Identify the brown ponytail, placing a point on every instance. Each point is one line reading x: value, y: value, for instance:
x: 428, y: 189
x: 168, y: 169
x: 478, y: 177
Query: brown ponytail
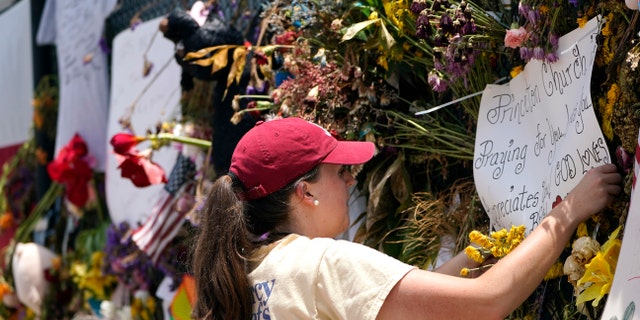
x: 222, y: 286
x: 230, y: 229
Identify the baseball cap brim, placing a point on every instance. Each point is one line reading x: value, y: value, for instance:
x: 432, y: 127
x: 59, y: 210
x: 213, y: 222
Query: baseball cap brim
x: 351, y: 152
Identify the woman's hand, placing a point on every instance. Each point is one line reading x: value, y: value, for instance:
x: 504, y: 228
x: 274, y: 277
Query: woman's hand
x: 597, y: 189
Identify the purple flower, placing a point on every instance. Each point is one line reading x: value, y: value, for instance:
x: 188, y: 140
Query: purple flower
x: 418, y: 5
x: 446, y: 23
x: 423, y: 26
x: 526, y: 53
x: 538, y: 53
x: 552, y: 57
x: 437, y: 84
x: 554, y: 40
x: 625, y: 160
x: 573, y: 3
x: 533, y: 16
x: 469, y: 27
x: 523, y: 9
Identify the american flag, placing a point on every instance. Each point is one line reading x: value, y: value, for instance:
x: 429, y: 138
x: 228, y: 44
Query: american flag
x: 165, y: 220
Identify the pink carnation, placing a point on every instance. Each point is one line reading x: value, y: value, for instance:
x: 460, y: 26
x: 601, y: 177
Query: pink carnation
x: 515, y: 37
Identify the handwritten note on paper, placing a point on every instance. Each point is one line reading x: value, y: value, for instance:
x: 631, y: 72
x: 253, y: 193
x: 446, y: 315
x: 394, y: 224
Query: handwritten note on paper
x: 538, y: 135
x: 154, y: 98
x: 624, y: 298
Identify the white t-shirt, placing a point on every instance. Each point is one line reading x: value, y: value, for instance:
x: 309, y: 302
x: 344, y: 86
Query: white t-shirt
x: 321, y: 278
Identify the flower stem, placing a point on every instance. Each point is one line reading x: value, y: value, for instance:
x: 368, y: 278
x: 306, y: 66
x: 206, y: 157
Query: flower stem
x: 253, y: 96
x: 180, y: 139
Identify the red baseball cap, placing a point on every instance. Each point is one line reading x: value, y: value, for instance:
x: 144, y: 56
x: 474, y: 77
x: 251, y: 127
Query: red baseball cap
x: 275, y: 153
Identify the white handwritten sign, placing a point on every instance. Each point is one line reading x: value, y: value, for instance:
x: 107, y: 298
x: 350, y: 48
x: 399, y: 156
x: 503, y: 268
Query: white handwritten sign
x: 155, y: 98
x: 624, y: 298
x: 538, y: 134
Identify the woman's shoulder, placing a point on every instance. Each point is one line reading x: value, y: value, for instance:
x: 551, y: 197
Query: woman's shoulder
x: 313, y: 250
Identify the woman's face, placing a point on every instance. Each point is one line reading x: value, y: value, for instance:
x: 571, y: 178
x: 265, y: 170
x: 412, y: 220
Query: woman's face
x: 332, y: 192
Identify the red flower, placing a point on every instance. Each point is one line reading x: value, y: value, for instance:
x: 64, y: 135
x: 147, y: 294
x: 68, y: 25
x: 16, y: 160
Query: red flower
x: 71, y: 169
x: 123, y: 142
x: 140, y: 169
x: 557, y: 202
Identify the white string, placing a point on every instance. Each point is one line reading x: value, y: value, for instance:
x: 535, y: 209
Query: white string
x: 456, y: 100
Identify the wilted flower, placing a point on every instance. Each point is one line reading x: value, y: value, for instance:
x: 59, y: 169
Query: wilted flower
x: 123, y: 142
x: 436, y: 82
x: 625, y: 160
x: 336, y: 25
x: 140, y: 169
x: 418, y: 5
x: 584, y: 248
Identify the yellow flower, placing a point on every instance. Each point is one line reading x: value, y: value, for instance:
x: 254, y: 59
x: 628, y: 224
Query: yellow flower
x: 373, y: 15
x: 479, y: 238
x: 544, y: 9
x: 464, y: 272
x: 92, y: 279
x: 382, y: 61
x: 515, y: 235
x: 582, y: 230
x: 612, y: 98
x: 499, y: 235
x: 606, y: 29
x: 555, y: 271
x: 582, y: 21
x: 97, y: 259
x: 474, y: 254
x: 599, y: 272
x: 516, y: 71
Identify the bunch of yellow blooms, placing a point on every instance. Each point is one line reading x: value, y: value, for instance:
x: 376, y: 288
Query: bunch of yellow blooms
x: 495, y: 245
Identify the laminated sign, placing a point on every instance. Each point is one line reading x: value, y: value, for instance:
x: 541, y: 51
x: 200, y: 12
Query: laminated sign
x: 538, y: 135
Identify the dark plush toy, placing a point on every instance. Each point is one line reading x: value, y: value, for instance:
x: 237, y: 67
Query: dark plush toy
x: 181, y: 28
x: 188, y: 36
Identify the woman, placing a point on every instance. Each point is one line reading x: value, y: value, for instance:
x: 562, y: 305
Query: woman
x: 266, y: 251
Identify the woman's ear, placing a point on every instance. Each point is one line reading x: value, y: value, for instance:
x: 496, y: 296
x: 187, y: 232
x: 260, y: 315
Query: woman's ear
x: 302, y: 192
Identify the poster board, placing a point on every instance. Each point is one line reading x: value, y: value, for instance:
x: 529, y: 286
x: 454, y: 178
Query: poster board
x: 624, y: 299
x: 16, y: 74
x: 538, y: 134
x: 156, y: 97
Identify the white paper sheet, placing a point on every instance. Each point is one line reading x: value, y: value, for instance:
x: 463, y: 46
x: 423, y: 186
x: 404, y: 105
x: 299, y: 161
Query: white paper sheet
x: 538, y: 135
x: 159, y: 102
